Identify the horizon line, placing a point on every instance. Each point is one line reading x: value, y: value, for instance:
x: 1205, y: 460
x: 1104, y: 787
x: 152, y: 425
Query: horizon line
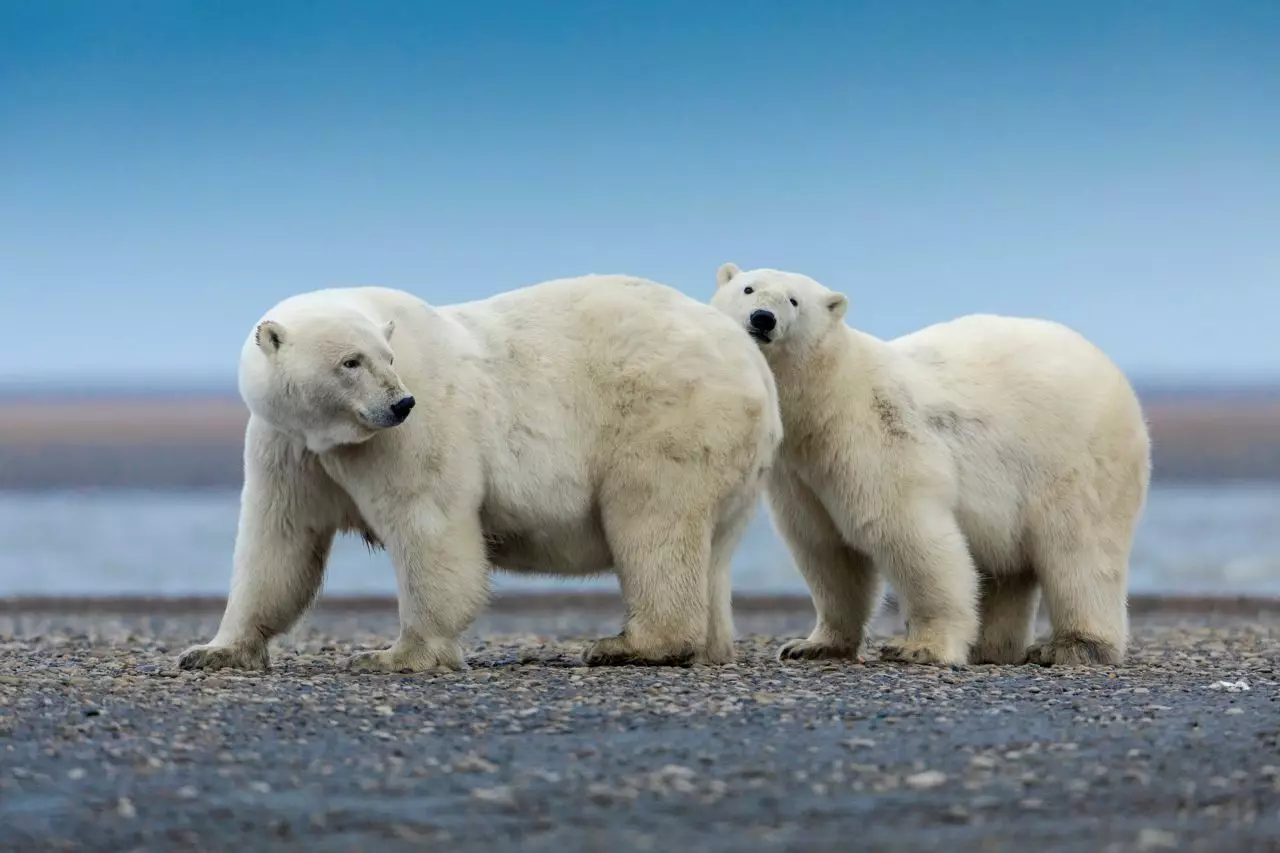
x: 18, y: 390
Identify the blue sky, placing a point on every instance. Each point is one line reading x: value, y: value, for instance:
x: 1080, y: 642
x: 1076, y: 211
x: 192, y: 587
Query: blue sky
x: 169, y: 169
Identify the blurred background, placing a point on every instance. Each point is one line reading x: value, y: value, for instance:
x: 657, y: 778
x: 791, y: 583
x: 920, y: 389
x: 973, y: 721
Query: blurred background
x: 170, y: 169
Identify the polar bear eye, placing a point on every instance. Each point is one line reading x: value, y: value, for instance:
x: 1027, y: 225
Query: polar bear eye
x: 793, y: 302
x: 351, y: 363
x: 747, y: 290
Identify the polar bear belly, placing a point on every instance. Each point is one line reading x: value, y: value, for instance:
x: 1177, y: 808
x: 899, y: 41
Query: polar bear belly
x: 992, y: 486
x: 542, y: 523
x: 577, y: 547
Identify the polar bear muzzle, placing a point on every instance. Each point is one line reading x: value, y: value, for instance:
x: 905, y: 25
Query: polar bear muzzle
x: 401, y: 408
x: 761, y: 324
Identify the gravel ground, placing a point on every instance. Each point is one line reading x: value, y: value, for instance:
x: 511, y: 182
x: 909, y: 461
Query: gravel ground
x: 105, y: 745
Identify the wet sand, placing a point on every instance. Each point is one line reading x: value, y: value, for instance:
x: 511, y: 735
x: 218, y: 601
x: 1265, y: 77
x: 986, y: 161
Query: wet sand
x: 191, y: 440
x: 105, y: 745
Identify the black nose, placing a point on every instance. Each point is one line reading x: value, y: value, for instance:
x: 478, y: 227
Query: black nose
x: 763, y: 320
x: 400, y: 408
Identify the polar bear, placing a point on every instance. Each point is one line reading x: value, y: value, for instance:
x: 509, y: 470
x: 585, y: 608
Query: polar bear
x: 972, y: 464
x: 573, y: 427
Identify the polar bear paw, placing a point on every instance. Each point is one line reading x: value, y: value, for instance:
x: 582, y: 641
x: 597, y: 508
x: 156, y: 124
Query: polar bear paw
x: 1074, y: 650
x: 209, y: 656
x: 806, y: 649
x: 919, y: 652
x: 716, y: 654
x: 442, y: 655
x: 619, y: 651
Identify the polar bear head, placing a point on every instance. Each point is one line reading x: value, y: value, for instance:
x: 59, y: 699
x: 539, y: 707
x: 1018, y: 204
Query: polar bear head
x: 323, y: 373
x: 782, y: 311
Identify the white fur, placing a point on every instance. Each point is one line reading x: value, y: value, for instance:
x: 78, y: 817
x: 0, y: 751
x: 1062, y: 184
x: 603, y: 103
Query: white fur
x: 573, y: 427
x: 973, y: 464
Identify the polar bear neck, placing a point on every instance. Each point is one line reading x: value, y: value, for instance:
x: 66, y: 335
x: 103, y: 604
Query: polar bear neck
x: 849, y: 365
x: 845, y: 360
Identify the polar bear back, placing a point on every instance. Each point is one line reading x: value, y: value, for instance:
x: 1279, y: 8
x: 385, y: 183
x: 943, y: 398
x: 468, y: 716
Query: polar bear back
x: 574, y: 326
x: 621, y: 352
x: 1045, y: 382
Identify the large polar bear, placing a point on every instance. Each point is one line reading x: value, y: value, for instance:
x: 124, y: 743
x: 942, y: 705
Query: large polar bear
x: 573, y: 427
x: 973, y: 464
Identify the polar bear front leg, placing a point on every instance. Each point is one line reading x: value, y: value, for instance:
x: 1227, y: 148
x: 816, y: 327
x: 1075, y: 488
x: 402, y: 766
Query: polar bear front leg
x: 843, y: 582
x: 442, y: 582
x: 281, y: 549
x: 926, y: 559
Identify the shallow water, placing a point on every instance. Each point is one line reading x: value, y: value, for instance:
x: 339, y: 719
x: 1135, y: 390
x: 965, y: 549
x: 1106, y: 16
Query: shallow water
x: 1201, y: 539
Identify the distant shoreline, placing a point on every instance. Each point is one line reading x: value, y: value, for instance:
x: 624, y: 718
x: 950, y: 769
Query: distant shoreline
x: 177, y: 441
x: 12, y: 391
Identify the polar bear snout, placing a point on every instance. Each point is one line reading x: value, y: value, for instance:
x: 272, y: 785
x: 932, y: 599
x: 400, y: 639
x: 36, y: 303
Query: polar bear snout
x: 389, y: 415
x: 400, y: 408
x: 762, y: 323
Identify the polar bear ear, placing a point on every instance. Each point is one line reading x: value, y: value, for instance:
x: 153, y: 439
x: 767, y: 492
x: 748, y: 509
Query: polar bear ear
x: 837, y: 304
x: 388, y: 329
x: 725, y: 274
x: 269, y: 336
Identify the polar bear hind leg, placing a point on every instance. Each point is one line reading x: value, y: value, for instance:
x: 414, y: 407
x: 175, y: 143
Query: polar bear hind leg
x: 1007, y: 606
x: 659, y: 530
x: 1080, y: 554
x: 1081, y: 538
x: 1084, y: 590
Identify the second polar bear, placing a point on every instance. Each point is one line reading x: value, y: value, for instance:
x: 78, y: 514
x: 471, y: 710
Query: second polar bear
x: 972, y: 464
x: 572, y: 427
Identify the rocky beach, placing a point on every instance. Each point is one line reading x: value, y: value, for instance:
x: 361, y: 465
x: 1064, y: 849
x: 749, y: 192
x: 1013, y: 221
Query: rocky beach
x: 106, y: 745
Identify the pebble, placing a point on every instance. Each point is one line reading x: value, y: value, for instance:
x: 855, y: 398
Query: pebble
x: 754, y: 750
x: 500, y: 795
x: 1151, y: 838
x: 926, y: 780
x: 474, y: 764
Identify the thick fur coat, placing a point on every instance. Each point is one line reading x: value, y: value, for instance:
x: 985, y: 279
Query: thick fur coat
x: 579, y: 426
x: 975, y: 464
